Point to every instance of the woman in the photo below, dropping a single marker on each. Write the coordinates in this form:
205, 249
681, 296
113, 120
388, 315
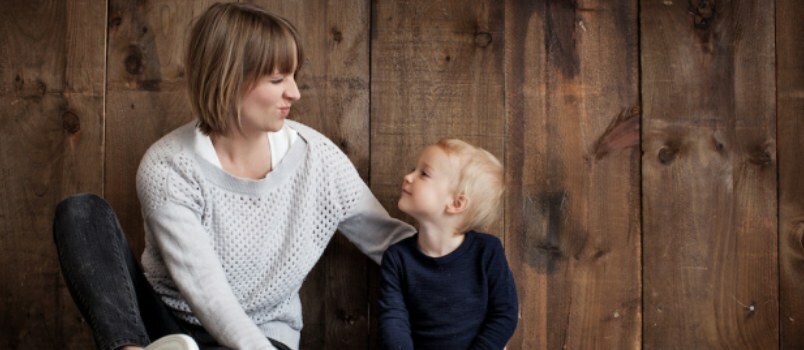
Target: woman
238, 206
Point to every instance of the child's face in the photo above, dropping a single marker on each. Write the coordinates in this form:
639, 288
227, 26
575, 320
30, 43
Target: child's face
267, 104
430, 187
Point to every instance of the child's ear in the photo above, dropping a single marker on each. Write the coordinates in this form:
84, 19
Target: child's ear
458, 204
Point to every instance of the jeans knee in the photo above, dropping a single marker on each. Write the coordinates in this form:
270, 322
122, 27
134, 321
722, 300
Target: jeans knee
78, 208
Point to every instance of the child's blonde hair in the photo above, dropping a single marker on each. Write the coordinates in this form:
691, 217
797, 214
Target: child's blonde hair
231, 46
480, 180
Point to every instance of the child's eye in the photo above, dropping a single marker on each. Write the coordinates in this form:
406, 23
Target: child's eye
425, 174
277, 80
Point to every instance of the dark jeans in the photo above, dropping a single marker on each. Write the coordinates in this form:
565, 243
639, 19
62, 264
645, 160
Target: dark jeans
106, 282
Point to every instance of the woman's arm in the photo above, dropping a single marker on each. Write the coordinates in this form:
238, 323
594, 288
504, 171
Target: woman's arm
368, 226
197, 272
365, 222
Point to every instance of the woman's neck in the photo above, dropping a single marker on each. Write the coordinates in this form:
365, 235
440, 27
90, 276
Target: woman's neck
437, 241
247, 156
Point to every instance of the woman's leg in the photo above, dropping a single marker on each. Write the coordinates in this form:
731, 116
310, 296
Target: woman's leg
103, 277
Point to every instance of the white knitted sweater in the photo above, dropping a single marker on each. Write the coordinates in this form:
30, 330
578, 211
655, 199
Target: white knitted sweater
232, 253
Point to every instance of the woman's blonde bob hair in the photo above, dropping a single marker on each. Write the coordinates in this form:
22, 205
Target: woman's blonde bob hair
231, 46
481, 180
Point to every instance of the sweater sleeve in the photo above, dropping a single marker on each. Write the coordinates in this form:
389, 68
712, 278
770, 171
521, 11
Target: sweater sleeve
369, 226
394, 322
174, 220
503, 306
366, 223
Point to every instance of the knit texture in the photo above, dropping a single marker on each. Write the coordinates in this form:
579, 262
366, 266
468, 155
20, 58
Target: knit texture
232, 253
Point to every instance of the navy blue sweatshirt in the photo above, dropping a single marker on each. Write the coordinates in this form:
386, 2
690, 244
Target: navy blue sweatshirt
463, 300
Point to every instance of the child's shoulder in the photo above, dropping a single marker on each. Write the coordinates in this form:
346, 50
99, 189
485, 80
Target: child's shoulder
486, 243
403, 245
486, 238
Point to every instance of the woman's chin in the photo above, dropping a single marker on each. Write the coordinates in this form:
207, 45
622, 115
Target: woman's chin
276, 126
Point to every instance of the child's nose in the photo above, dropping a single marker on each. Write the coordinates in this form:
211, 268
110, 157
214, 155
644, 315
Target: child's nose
408, 178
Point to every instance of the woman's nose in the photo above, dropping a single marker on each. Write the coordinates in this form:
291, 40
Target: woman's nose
292, 91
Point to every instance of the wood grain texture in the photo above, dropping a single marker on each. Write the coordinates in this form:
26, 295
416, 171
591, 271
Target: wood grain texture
790, 109
334, 85
709, 175
51, 93
436, 72
573, 234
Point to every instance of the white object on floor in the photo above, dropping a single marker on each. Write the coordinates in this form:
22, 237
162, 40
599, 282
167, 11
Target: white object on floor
173, 342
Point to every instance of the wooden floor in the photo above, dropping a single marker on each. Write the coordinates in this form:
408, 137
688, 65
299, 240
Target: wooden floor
654, 152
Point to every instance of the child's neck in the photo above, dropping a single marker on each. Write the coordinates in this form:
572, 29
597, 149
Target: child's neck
437, 241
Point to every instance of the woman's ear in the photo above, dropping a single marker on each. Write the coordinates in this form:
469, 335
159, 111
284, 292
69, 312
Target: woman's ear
458, 204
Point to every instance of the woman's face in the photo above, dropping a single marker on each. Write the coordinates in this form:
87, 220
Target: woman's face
265, 107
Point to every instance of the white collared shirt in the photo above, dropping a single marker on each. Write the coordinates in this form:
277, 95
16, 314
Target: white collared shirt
280, 142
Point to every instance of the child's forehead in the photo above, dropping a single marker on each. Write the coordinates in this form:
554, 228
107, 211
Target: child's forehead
433, 152
436, 157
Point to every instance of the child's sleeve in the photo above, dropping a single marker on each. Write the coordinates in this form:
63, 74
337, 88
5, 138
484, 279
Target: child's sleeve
394, 322
503, 307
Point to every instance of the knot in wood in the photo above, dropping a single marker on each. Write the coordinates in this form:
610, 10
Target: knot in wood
483, 39
704, 12
347, 317
337, 35
133, 62
797, 236
760, 156
667, 154
70, 122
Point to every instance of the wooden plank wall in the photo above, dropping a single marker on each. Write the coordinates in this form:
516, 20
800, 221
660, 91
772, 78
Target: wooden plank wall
652, 149
709, 175
573, 233
51, 111
790, 107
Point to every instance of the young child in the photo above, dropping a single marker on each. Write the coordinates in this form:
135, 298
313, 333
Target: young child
449, 286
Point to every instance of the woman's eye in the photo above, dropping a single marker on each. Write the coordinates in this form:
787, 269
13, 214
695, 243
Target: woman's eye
277, 81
